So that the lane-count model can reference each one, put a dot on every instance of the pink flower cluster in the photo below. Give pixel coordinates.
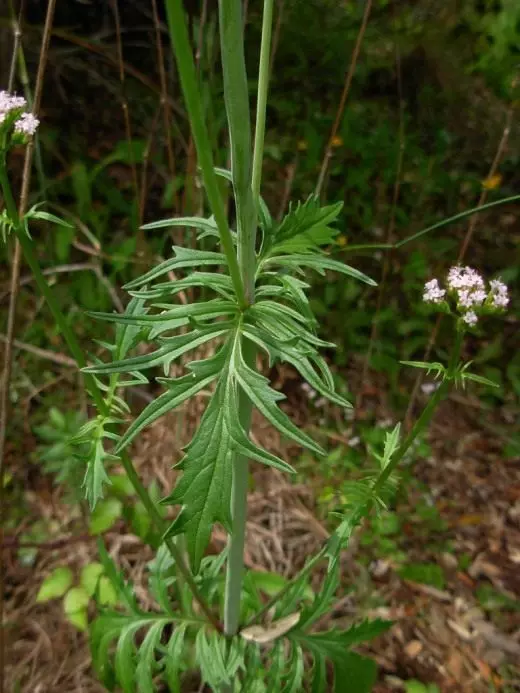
(11, 105)
(467, 289)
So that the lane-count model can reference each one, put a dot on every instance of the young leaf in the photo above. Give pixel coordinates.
(172, 659)
(319, 263)
(96, 476)
(184, 257)
(214, 308)
(306, 227)
(146, 657)
(125, 659)
(479, 379)
(428, 367)
(334, 644)
(55, 585)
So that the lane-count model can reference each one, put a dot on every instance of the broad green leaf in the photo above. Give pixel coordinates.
(320, 263)
(124, 591)
(334, 644)
(79, 619)
(354, 673)
(184, 257)
(75, 600)
(105, 514)
(106, 594)
(204, 490)
(55, 585)
(90, 576)
(306, 227)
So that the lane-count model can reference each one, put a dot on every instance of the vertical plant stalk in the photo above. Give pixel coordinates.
(164, 100)
(238, 114)
(182, 49)
(346, 89)
(261, 102)
(15, 281)
(231, 26)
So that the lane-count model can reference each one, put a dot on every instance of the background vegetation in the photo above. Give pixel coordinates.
(430, 128)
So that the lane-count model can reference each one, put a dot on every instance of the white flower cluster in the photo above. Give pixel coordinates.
(11, 105)
(433, 292)
(468, 290)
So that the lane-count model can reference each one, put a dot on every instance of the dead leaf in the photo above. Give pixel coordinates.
(264, 634)
(413, 648)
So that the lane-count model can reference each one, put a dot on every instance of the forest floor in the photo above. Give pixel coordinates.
(456, 610)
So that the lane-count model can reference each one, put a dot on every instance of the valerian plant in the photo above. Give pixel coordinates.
(209, 613)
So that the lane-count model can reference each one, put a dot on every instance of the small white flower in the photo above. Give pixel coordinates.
(470, 318)
(429, 388)
(433, 292)
(499, 293)
(469, 298)
(26, 124)
(354, 442)
(464, 278)
(8, 103)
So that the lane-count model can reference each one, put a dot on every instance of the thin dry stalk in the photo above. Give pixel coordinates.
(124, 103)
(346, 89)
(276, 34)
(164, 100)
(15, 275)
(53, 356)
(462, 253)
(389, 232)
(289, 182)
(144, 164)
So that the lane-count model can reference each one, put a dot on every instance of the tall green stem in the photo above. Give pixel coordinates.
(238, 115)
(190, 87)
(261, 103)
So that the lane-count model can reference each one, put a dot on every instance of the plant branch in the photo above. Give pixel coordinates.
(182, 50)
(261, 103)
(238, 115)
